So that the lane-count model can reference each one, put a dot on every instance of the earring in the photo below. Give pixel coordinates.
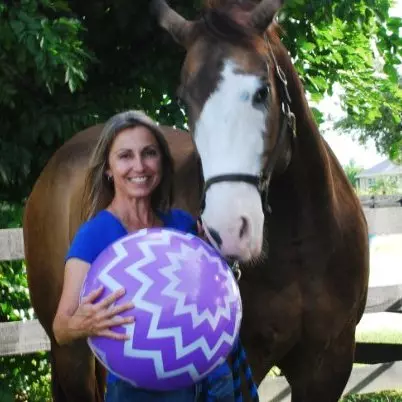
(109, 178)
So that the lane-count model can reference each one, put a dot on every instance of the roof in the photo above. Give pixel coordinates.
(383, 168)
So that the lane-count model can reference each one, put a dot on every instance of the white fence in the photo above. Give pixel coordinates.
(384, 220)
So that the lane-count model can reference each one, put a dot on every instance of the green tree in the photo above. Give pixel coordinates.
(42, 59)
(384, 186)
(357, 45)
(352, 170)
(382, 123)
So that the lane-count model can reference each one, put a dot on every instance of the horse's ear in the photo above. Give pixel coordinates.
(264, 13)
(174, 23)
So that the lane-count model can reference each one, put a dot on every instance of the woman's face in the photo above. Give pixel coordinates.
(135, 162)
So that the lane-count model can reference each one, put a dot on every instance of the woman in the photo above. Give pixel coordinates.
(128, 187)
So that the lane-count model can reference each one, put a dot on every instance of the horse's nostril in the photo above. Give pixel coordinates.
(243, 227)
(215, 235)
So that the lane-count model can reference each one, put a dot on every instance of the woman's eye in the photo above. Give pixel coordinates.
(124, 156)
(150, 152)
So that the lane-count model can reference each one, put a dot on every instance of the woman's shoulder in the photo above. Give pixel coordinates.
(94, 235)
(101, 221)
(181, 214)
(180, 219)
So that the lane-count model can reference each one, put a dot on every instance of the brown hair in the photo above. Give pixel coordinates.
(98, 190)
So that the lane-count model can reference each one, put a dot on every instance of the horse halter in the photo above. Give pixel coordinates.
(261, 182)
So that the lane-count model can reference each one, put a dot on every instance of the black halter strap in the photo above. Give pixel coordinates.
(288, 121)
(243, 177)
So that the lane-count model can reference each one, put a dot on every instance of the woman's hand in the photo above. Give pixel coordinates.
(95, 319)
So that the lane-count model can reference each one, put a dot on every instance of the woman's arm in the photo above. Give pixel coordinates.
(76, 320)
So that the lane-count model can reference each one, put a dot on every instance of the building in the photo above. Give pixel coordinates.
(385, 171)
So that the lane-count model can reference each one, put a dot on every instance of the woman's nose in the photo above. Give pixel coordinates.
(138, 164)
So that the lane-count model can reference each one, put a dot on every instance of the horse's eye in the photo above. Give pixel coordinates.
(261, 96)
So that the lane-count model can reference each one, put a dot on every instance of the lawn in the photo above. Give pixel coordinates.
(386, 396)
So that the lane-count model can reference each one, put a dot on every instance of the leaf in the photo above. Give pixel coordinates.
(394, 24)
(316, 96)
(307, 46)
(319, 83)
(17, 26)
(390, 70)
(318, 115)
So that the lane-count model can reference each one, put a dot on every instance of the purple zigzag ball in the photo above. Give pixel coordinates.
(187, 308)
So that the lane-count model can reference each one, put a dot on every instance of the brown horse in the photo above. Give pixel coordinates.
(304, 296)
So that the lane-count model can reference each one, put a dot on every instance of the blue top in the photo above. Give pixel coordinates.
(104, 228)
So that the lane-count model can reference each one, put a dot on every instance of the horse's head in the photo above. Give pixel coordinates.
(229, 84)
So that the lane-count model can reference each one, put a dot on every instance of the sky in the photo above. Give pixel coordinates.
(343, 145)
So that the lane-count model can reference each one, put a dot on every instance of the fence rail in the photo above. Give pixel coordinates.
(22, 337)
(11, 244)
(25, 337)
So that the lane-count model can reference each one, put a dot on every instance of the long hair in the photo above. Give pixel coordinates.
(99, 190)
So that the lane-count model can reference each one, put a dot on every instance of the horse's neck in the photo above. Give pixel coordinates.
(312, 161)
(303, 197)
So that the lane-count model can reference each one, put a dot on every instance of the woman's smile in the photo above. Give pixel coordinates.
(140, 180)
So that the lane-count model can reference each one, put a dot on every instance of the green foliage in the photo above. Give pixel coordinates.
(41, 53)
(384, 186)
(357, 45)
(14, 304)
(352, 170)
(25, 378)
(50, 47)
(385, 396)
(22, 378)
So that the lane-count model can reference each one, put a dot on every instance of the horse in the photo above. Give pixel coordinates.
(273, 197)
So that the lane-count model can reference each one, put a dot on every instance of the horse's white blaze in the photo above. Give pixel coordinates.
(229, 135)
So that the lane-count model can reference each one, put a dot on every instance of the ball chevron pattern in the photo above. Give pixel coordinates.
(187, 307)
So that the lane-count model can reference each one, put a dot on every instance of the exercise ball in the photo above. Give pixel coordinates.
(187, 308)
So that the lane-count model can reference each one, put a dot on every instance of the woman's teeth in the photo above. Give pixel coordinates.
(138, 179)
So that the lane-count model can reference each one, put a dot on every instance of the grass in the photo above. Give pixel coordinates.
(380, 328)
(385, 396)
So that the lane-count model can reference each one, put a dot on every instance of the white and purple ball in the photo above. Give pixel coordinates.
(187, 308)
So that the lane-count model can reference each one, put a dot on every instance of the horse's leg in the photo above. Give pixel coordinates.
(75, 376)
(57, 389)
(320, 375)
